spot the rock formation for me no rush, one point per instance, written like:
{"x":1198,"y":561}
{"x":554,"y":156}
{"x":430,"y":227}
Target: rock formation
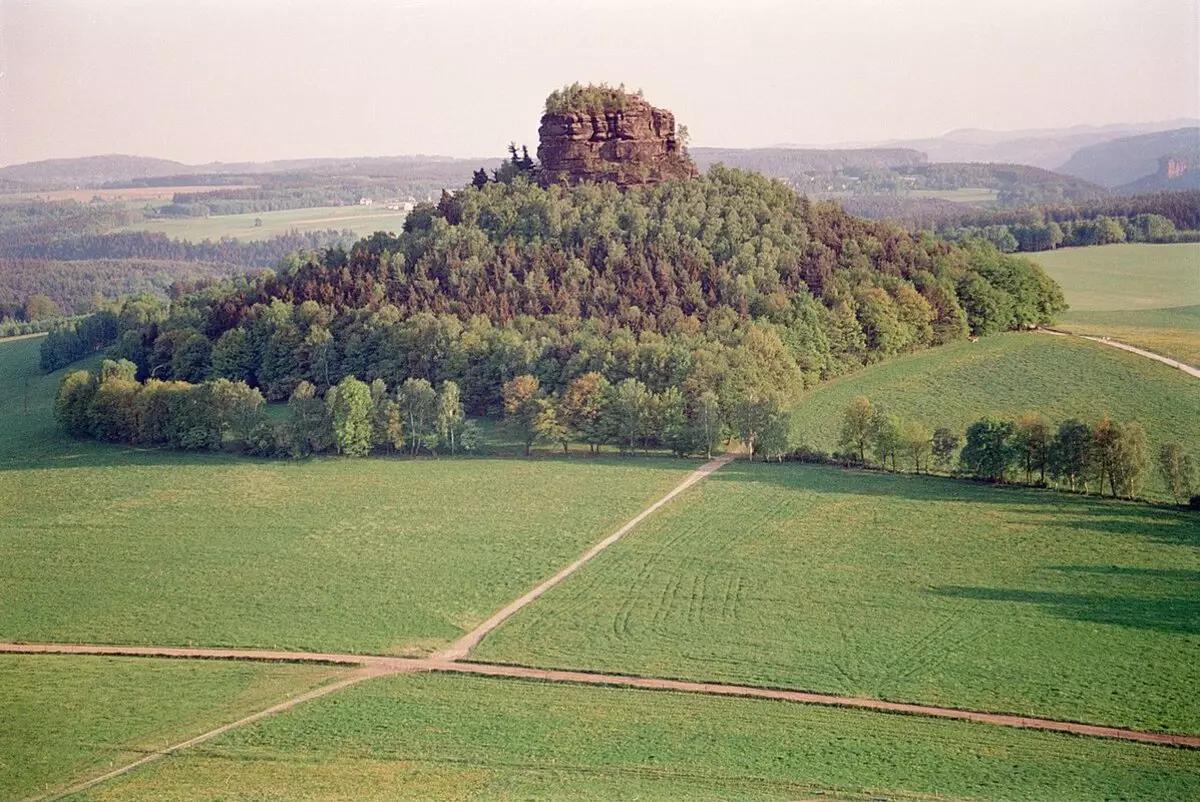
{"x":629,"y":142}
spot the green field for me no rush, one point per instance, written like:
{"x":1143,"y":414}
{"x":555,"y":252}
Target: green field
{"x":1108,"y":278}
{"x":894,"y":587}
{"x":443,"y":737}
{"x":362,"y":220}
{"x":113,"y":544}
{"x":67,"y":718}
{"x":976,"y":195}
{"x":1007,"y":375}
{"x":1172,"y":332}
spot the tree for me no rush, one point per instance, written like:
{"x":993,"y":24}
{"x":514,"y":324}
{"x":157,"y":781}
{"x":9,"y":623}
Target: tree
{"x":419,"y":407}
{"x":988,"y":451}
{"x":583,"y":409}
{"x":308,"y":423}
{"x":1070,"y":453}
{"x":479,"y":179}
{"x":549,"y":423}
{"x":1178,"y":471}
{"x":1032,"y":443}
{"x":916,"y":441}
{"x":40,"y":307}
{"x":380,"y":405}
{"x":708,"y":421}
{"x":450,"y":417}
{"x":857,"y":426}
{"x":73,"y":402}
{"x":238,"y":407}
{"x":886,"y":437}
{"x":945,"y":443}
{"x":522,"y":404}
{"x":630,"y":411}
{"x":349,"y":407}
{"x":1121,"y":455}
{"x":671,"y":423}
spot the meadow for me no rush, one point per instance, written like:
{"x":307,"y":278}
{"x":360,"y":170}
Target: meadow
{"x":362,"y":220}
{"x":457,"y":737}
{"x":1010,"y":374}
{"x":903,"y":588}
{"x":1173,"y":332}
{"x":113,"y":544}
{"x":1125,"y":277}
{"x":67,"y":718}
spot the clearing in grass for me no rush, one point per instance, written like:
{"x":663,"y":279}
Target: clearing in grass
{"x":894,"y":587}
{"x":1010,"y":374}
{"x":252,"y":226}
{"x":431,"y":736}
{"x":111,"y":544}
{"x":68,"y":718}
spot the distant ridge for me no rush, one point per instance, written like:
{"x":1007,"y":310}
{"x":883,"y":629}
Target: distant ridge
{"x":1128,"y":159}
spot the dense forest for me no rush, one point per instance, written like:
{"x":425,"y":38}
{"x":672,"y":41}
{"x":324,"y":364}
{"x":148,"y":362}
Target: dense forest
{"x":729,"y":283}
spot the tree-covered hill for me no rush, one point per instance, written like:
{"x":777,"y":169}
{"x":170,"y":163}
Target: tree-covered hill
{"x":726,"y":282}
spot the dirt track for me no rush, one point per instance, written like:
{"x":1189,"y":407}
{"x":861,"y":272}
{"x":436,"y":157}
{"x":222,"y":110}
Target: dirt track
{"x":379,"y":666}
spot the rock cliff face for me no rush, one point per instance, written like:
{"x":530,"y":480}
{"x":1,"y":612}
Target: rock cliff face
{"x":631,"y":146}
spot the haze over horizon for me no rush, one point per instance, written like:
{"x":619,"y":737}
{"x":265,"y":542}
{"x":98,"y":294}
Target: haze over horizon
{"x":213,"y":81}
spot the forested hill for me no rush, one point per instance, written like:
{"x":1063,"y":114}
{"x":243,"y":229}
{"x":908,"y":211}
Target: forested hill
{"x":661,"y":283}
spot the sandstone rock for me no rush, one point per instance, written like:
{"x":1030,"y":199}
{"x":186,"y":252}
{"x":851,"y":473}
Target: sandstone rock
{"x":635,"y":145}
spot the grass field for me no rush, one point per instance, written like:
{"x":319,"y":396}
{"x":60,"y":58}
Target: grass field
{"x":902,"y":588}
{"x":363,"y":220}
{"x":1173,"y":332}
{"x":132,"y":195}
{"x":1109,"y":278}
{"x":65,"y":718}
{"x":1007,"y":375}
{"x":119,"y":545}
{"x":976,"y":195}
{"x":439,"y":737}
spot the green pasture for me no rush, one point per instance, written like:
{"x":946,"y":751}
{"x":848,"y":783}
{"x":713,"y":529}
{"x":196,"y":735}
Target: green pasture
{"x":976,"y":195}
{"x":903,"y":588}
{"x":113,"y":544}
{"x":1125,"y":277}
{"x":1172,"y":332}
{"x":67,"y":718}
{"x":457,"y":737}
{"x":1007,"y":375}
{"x":362,"y":220}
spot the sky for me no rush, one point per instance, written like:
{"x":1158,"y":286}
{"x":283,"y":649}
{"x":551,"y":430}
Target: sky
{"x":233,"y":80}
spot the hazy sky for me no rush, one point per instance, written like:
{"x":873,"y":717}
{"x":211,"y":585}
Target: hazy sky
{"x":222,"y":80}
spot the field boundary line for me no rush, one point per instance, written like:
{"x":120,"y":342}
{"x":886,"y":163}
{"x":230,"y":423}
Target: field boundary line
{"x":287,"y":704}
{"x":372,"y":666}
{"x":463,"y":646}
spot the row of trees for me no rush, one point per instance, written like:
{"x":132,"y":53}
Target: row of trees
{"x":1102,"y":230}
{"x":1108,"y":456}
{"x":353,"y":418}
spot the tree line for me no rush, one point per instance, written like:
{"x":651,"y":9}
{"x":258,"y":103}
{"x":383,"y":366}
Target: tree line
{"x":352,"y":418}
{"x":1106,"y":456}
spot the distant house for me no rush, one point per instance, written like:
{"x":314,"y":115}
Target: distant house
{"x":365,"y":201}
{"x":400,"y":206}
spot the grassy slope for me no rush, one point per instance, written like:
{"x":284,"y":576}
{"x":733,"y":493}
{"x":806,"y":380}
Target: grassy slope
{"x":895,"y":587}
{"x":438,"y":737}
{"x":65,"y":718}
{"x":363,"y":220}
{"x":1125,"y":277}
{"x":118,"y":545}
{"x":1010,"y":374}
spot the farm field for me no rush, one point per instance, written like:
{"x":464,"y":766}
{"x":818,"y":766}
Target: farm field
{"x":66,"y":718}
{"x":1172,"y":332}
{"x":362,"y":220}
{"x":893,"y":587}
{"x":1125,"y":277}
{"x":377,"y":555}
{"x":432,"y":737}
{"x":1007,"y":375}
{"x":131,"y":195}
{"x":977,"y":195}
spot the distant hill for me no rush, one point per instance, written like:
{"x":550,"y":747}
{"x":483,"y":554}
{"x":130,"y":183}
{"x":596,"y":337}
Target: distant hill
{"x":115,"y":170}
{"x":1176,"y":171}
{"x":787,"y":163}
{"x":1124,"y":161}
{"x":1046,"y":148}
{"x":89,"y":171}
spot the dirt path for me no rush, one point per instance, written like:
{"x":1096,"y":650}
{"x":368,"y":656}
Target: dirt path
{"x":380,"y":666}
{"x":463,"y":646}
{"x":1188,"y":369}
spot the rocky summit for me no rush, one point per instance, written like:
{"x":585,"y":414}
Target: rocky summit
{"x":619,"y":138}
